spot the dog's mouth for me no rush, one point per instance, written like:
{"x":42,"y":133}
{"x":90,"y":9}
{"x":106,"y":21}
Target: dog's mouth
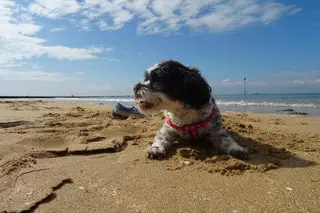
{"x":145,"y":105}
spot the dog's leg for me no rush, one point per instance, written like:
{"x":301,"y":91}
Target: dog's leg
{"x":226,"y":144}
{"x":163,"y":140}
{"x":223,"y":142}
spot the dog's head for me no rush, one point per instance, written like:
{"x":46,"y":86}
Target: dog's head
{"x":169,"y":85}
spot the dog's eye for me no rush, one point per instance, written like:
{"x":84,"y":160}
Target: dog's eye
{"x":146,"y":77}
{"x":156,"y":86}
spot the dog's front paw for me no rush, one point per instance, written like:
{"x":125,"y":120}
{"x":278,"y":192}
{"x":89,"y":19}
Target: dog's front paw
{"x":155,"y":152}
{"x":239,"y":152}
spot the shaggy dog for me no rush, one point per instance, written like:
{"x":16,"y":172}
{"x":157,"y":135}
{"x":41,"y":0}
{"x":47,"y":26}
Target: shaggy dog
{"x":189,"y":108}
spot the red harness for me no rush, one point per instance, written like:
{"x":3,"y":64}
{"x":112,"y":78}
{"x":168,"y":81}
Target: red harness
{"x":192,"y":129}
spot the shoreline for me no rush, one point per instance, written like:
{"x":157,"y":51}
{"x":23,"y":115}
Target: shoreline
{"x":223,"y":108}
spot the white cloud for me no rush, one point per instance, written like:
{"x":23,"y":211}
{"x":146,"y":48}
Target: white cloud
{"x":112,"y":60}
{"x":304,"y":82}
{"x":316,"y":81}
{"x":79,"y":73}
{"x":294,"y":11}
{"x":83,"y":24}
{"x":228,"y":82}
{"x":292,"y":81}
{"x":299,"y":81}
{"x":12,"y":65}
{"x":36,"y":75}
{"x":231,"y":15}
{"x":300,"y":77}
{"x":158,"y":16}
{"x":18,"y":38}
{"x":54,"y":8}
{"x":43,"y":83}
{"x":62,"y":53}
{"x":58,"y":29}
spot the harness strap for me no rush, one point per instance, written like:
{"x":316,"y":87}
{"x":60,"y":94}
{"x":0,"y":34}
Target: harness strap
{"x":193,"y":128}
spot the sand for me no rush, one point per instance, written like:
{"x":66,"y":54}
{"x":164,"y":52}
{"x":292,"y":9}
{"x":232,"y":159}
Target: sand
{"x":75,"y":158}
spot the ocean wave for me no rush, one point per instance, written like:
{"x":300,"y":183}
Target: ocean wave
{"x":230,"y":103}
{"x":219,"y":102}
{"x":268,"y":104}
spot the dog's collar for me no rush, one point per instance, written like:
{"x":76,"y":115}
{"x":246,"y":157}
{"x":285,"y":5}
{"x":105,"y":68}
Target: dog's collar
{"x":193,"y":128}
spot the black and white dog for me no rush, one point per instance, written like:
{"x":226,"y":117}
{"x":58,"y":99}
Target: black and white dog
{"x":189,"y":108}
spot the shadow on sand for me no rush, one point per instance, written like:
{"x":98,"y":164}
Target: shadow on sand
{"x":260,"y":154}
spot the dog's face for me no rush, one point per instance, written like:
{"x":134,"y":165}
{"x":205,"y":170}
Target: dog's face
{"x":169,"y":85}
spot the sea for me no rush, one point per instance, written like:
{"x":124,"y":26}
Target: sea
{"x":257,"y":103}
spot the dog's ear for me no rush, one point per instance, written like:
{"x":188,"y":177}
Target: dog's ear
{"x":197,"y":91}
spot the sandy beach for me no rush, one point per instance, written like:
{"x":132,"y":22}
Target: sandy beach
{"x":72,"y":157}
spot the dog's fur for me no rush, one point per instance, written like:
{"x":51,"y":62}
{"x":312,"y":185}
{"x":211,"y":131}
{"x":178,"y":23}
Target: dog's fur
{"x":185,"y":97}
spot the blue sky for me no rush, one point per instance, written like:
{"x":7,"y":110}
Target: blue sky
{"x":101,"y":47}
